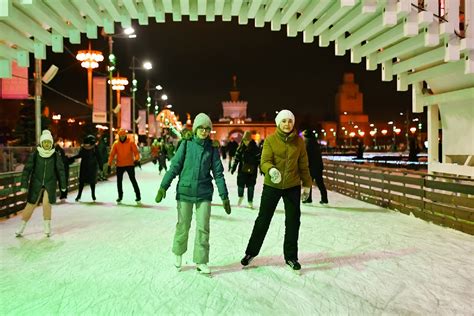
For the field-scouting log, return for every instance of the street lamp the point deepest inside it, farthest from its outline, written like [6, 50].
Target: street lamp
[146, 66]
[118, 84]
[127, 33]
[89, 59]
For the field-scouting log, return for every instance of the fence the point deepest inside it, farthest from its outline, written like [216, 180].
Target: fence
[13, 200]
[443, 200]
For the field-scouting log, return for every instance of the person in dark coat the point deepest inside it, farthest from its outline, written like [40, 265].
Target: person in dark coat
[247, 159]
[231, 150]
[162, 155]
[66, 162]
[315, 166]
[194, 161]
[90, 162]
[43, 170]
[103, 155]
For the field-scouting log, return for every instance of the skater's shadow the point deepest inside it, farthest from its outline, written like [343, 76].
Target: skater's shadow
[322, 261]
[318, 261]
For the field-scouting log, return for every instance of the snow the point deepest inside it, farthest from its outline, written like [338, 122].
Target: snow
[357, 258]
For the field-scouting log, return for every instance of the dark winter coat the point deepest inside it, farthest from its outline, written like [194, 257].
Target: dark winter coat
[287, 153]
[42, 172]
[193, 162]
[247, 156]
[315, 159]
[232, 148]
[102, 152]
[65, 159]
[90, 162]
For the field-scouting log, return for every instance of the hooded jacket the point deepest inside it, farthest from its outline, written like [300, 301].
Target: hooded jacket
[194, 161]
[126, 152]
[287, 153]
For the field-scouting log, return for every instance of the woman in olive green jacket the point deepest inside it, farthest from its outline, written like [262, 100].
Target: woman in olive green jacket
[285, 164]
[43, 170]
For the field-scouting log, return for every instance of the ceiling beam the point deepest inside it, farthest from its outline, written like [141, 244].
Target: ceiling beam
[42, 12]
[420, 60]
[131, 8]
[14, 36]
[253, 8]
[68, 11]
[334, 14]
[235, 8]
[311, 12]
[290, 10]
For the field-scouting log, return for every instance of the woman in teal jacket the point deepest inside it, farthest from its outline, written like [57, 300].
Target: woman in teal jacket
[43, 170]
[193, 162]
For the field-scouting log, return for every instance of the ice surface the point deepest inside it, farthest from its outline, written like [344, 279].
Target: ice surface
[357, 259]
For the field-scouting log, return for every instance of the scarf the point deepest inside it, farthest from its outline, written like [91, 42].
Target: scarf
[45, 153]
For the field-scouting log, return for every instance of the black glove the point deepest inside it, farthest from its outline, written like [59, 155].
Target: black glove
[137, 163]
[109, 169]
[160, 195]
[226, 204]
[63, 195]
[232, 171]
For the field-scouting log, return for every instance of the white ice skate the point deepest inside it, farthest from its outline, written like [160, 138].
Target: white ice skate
[203, 269]
[47, 228]
[239, 202]
[19, 232]
[178, 261]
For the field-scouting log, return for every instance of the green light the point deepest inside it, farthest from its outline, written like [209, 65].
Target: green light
[134, 82]
[112, 58]
[148, 99]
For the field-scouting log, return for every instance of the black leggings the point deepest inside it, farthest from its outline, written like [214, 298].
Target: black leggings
[81, 187]
[131, 174]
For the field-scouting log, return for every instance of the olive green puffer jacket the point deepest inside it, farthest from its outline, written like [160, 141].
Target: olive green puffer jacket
[287, 153]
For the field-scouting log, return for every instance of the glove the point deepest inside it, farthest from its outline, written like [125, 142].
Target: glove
[63, 195]
[137, 163]
[232, 171]
[305, 194]
[275, 175]
[23, 190]
[226, 204]
[109, 169]
[160, 195]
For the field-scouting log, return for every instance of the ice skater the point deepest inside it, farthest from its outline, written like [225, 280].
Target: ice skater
[194, 161]
[128, 157]
[285, 165]
[90, 163]
[315, 161]
[43, 170]
[247, 159]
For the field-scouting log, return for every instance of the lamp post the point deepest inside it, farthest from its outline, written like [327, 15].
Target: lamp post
[148, 104]
[127, 33]
[90, 60]
[146, 66]
[118, 84]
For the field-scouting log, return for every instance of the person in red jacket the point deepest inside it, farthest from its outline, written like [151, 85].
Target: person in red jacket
[128, 157]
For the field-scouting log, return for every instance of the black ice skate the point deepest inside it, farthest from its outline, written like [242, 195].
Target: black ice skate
[294, 265]
[246, 260]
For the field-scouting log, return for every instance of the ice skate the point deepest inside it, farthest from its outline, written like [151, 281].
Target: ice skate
[251, 205]
[138, 200]
[47, 228]
[294, 265]
[19, 232]
[246, 260]
[203, 268]
[239, 202]
[178, 262]
[119, 200]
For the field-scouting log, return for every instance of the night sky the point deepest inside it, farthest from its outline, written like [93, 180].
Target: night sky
[195, 61]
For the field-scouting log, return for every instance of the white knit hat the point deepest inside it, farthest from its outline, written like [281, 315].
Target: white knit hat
[201, 120]
[46, 135]
[284, 114]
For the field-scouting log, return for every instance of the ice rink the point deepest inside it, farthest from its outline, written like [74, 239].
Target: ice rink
[108, 259]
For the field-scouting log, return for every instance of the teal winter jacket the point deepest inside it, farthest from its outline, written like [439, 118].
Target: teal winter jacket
[193, 162]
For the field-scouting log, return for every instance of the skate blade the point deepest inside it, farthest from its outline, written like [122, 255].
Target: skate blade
[297, 272]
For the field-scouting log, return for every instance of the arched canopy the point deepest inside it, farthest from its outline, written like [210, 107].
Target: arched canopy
[410, 43]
